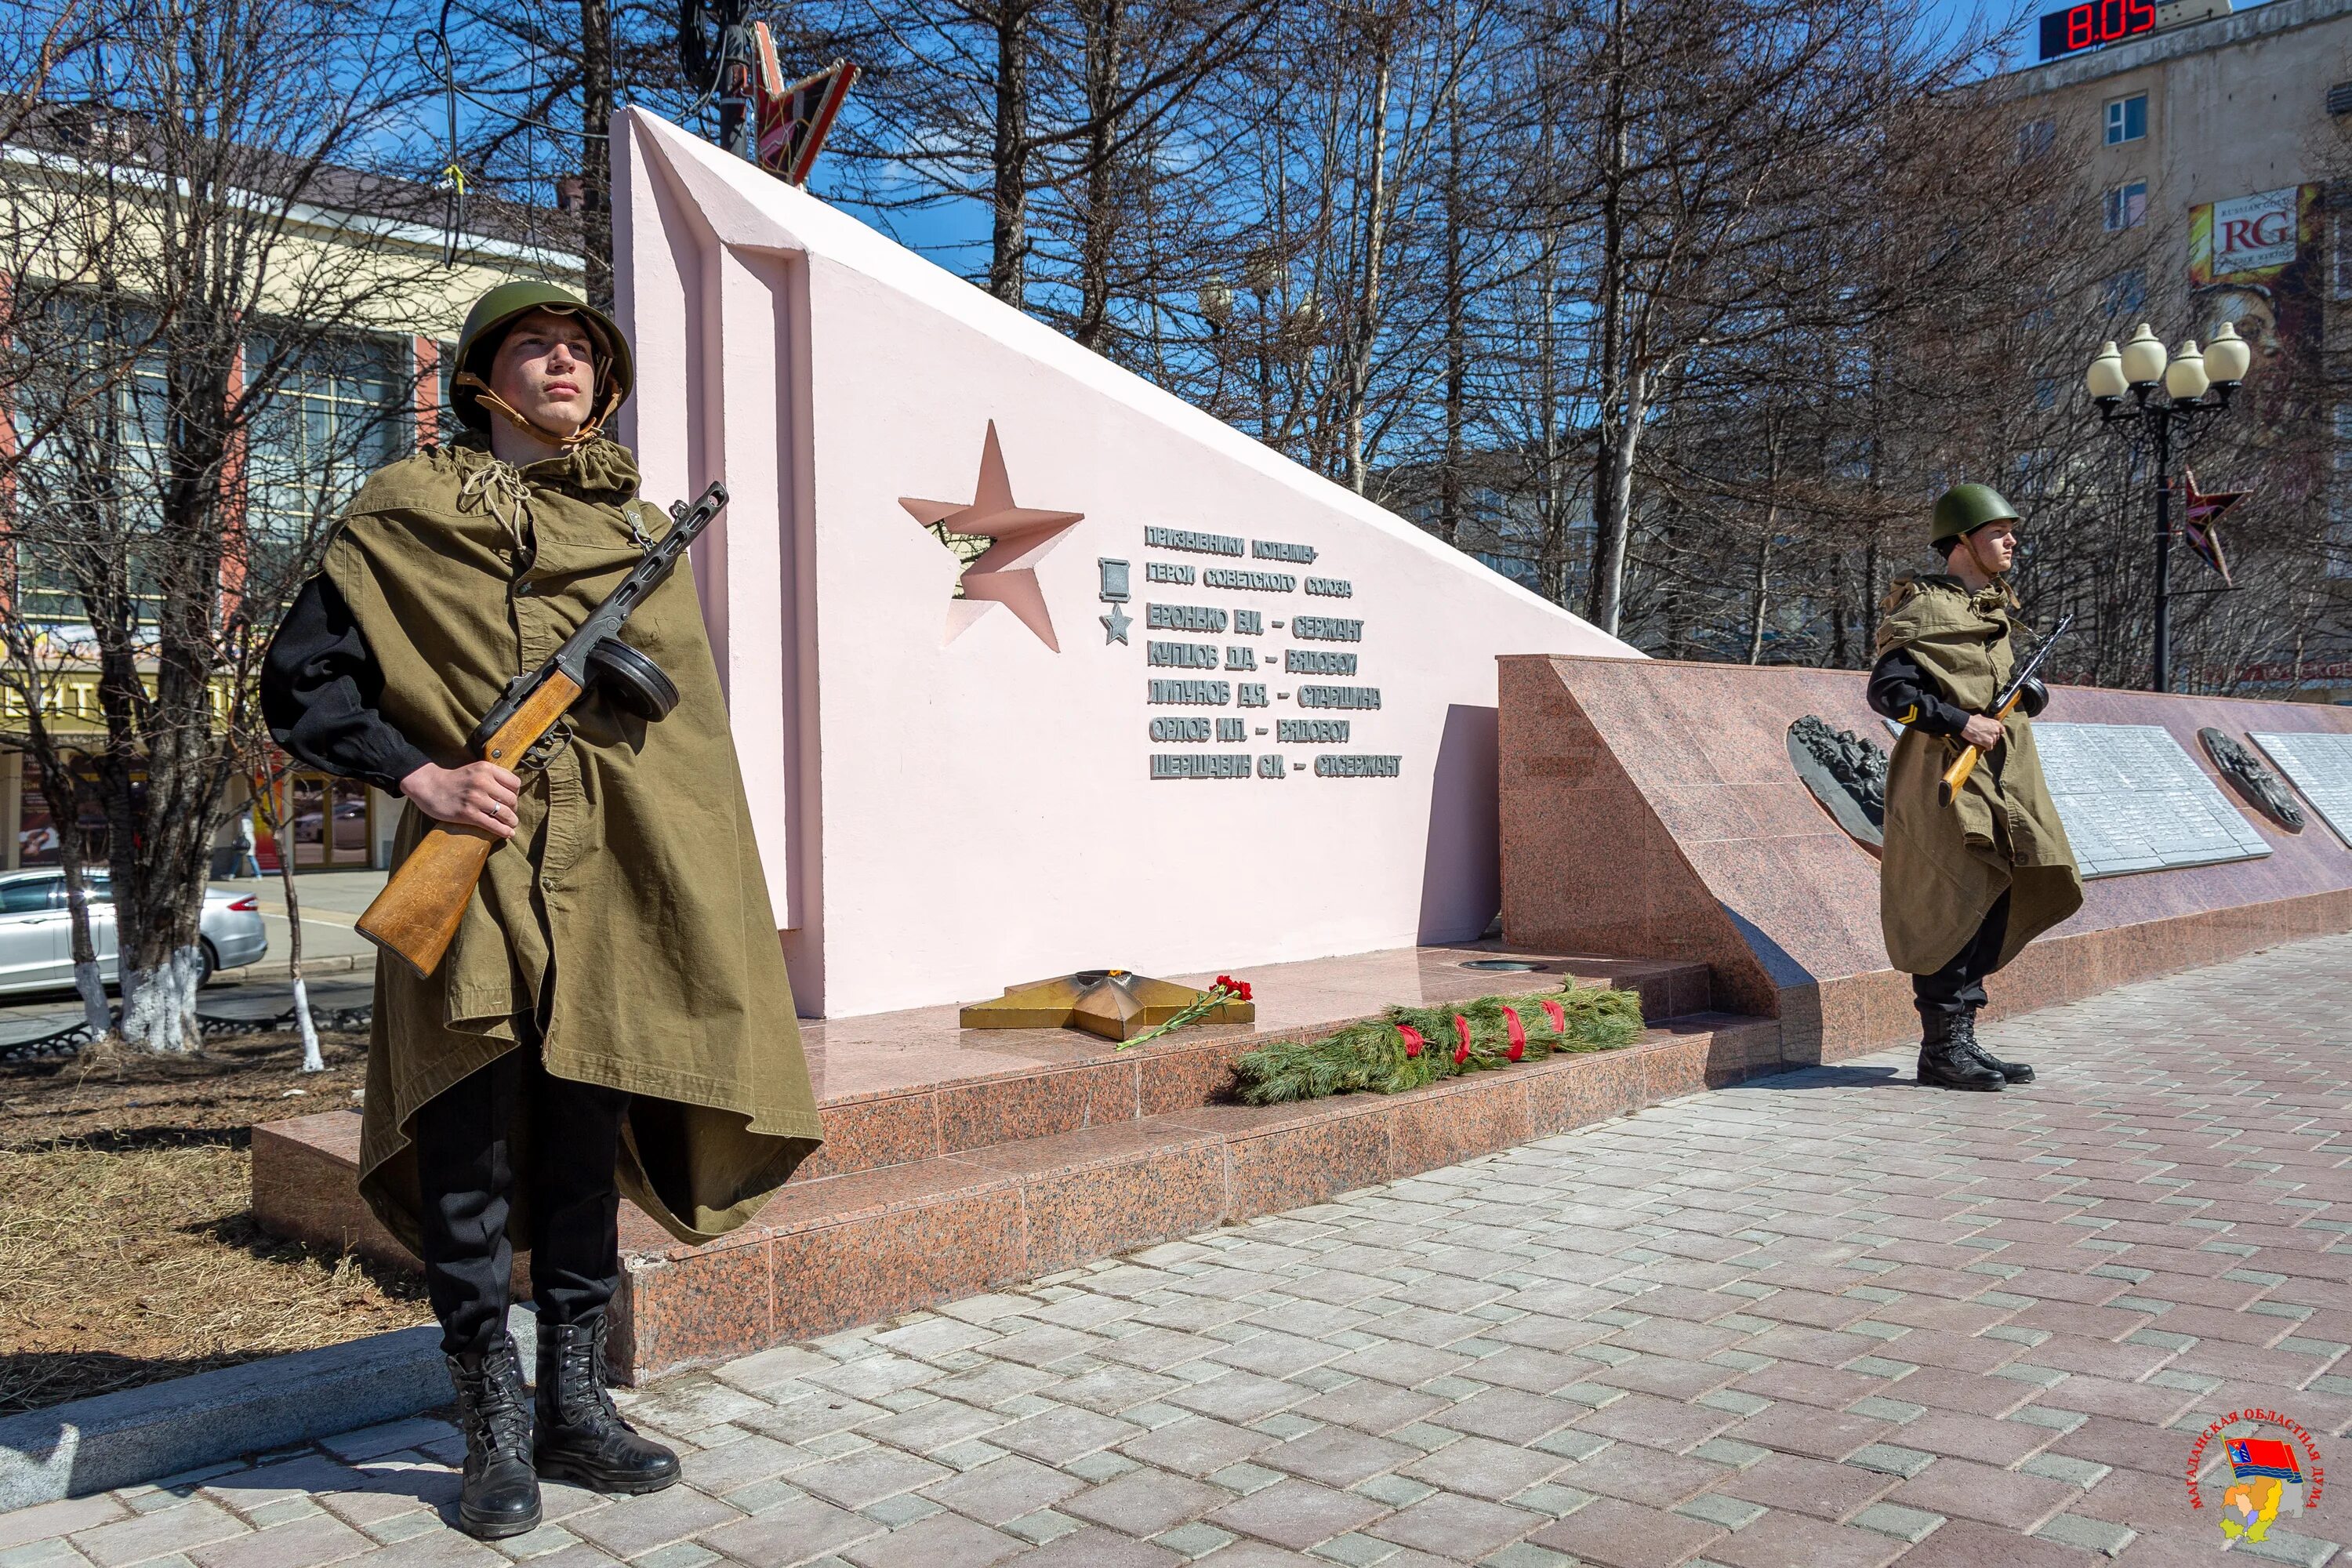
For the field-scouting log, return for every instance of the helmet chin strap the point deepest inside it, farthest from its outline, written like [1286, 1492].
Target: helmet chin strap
[507, 411]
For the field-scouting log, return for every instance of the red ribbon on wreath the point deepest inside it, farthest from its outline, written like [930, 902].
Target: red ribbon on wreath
[1412, 1040]
[1462, 1034]
[1518, 1035]
[1557, 1015]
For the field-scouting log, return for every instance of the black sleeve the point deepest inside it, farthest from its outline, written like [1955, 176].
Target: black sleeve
[1901, 691]
[320, 687]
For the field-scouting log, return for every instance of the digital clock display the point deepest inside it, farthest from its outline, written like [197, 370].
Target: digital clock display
[2093, 23]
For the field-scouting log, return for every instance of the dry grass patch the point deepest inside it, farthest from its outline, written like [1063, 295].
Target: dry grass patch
[127, 1251]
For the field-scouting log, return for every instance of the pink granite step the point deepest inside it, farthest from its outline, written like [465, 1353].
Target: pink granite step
[834, 1251]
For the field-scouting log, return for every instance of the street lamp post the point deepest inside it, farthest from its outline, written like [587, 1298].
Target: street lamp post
[2135, 371]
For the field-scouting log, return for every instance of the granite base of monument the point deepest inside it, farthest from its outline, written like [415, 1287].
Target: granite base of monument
[1651, 807]
[960, 1160]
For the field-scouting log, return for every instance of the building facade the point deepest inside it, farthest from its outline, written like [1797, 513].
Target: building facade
[2217, 144]
[377, 395]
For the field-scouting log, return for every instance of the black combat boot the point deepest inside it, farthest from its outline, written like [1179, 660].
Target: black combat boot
[499, 1494]
[581, 1437]
[2011, 1072]
[1947, 1059]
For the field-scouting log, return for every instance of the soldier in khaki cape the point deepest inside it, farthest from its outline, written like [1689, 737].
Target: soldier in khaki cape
[613, 1015]
[1963, 888]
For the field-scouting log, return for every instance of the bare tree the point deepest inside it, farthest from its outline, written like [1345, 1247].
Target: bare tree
[203, 388]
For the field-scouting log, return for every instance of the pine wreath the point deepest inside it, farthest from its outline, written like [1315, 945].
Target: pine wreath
[1406, 1047]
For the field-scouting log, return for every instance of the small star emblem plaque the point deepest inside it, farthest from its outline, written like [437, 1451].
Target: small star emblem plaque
[1115, 625]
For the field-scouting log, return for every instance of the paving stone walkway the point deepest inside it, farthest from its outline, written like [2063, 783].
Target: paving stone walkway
[1823, 1320]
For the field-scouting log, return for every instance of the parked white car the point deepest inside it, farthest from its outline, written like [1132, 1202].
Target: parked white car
[37, 931]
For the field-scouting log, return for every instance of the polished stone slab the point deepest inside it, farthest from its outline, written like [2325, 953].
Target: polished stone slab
[2133, 800]
[2320, 765]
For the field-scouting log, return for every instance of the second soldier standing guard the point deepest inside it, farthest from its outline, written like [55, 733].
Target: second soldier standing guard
[1964, 887]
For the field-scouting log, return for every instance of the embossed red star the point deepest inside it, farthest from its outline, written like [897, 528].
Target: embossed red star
[2199, 511]
[1007, 572]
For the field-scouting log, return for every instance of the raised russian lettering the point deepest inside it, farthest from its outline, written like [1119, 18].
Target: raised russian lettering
[1356, 765]
[1322, 628]
[1316, 661]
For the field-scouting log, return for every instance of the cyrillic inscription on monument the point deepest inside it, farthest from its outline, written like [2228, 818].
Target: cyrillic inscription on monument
[2133, 800]
[2320, 765]
[1248, 658]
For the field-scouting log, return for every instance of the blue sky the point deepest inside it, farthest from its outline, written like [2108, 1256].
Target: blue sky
[956, 235]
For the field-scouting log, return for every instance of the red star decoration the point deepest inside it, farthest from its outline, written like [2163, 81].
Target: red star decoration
[2199, 511]
[1006, 573]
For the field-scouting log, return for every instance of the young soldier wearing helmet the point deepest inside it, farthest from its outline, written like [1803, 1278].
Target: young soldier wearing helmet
[1963, 888]
[613, 1017]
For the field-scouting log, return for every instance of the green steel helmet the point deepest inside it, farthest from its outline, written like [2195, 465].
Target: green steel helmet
[1964, 508]
[485, 328]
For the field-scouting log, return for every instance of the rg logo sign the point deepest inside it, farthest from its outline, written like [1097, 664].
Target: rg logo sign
[2274, 1470]
[2252, 233]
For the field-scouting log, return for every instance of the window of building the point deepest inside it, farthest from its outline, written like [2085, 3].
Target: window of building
[2127, 119]
[343, 410]
[2127, 292]
[2127, 204]
[2339, 499]
[446, 359]
[2034, 138]
[91, 412]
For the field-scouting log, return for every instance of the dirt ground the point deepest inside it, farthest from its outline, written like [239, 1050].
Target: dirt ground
[127, 1251]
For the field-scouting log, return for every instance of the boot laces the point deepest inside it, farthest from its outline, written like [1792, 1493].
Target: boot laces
[492, 1397]
[580, 1376]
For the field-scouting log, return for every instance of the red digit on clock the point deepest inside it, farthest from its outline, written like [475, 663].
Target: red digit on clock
[2078, 24]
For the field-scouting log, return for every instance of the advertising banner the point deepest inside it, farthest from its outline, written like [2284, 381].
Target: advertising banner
[2255, 262]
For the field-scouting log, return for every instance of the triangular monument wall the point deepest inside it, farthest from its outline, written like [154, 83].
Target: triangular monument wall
[956, 793]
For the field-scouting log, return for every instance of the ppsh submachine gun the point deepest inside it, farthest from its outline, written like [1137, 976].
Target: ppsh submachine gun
[416, 917]
[1966, 762]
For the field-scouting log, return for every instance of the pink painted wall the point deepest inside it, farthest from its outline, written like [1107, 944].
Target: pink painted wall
[946, 803]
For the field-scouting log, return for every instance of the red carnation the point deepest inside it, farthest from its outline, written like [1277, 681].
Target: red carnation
[1225, 983]
[1518, 1035]
[1557, 1015]
[1412, 1040]
[1244, 987]
[1462, 1034]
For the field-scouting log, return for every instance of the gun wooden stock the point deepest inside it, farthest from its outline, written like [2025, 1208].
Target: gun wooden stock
[416, 917]
[1966, 762]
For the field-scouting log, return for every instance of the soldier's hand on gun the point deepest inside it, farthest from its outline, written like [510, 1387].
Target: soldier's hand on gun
[1982, 732]
[479, 794]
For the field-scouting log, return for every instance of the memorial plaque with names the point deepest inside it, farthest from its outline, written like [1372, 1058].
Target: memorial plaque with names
[2133, 800]
[2320, 765]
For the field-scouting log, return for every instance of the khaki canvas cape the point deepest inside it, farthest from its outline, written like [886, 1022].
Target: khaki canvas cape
[629, 913]
[1944, 865]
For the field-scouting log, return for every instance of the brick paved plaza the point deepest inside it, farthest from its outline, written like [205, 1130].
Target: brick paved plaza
[1819, 1320]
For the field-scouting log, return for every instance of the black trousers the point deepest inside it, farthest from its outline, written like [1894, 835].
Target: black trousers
[465, 1139]
[1958, 987]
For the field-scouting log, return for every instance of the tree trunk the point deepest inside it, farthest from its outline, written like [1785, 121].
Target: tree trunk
[1457, 359]
[1759, 589]
[97, 1013]
[1009, 158]
[1367, 309]
[313, 1061]
[1099, 224]
[1612, 479]
[1617, 506]
[596, 150]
